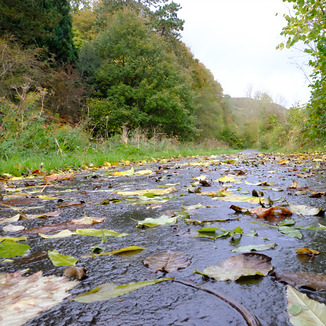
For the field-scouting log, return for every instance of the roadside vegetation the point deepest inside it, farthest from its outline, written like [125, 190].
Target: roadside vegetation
[106, 81]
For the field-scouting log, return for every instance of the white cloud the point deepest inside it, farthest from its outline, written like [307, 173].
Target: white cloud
[236, 40]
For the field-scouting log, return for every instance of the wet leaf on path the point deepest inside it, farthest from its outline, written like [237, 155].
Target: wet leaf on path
[99, 233]
[61, 234]
[88, 220]
[58, 177]
[110, 290]
[277, 211]
[76, 272]
[127, 172]
[210, 232]
[304, 210]
[255, 247]
[10, 248]
[228, 179]
[304, 311]
[155, 192]
[307, 251]
[61, 260]
[13, 238]
[25, 297]
[290, 231]
[168, 261]
[13, 228]
[115, 252]
[310, 280]
[162, 220]
[247, 264]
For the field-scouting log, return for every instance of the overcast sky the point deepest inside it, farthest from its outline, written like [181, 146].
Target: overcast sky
[236, 40]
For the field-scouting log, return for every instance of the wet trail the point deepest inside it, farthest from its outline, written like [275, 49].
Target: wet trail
[99, 193]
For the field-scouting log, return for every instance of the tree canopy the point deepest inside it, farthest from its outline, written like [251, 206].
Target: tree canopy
[307, 26]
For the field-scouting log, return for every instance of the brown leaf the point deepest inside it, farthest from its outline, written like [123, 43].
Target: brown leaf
[88, 220]
[58, 177]
[76, 272]
[247, 264]
[311, 280]
[168, 261]
[19, 201]
[294, 185]
[271, 212]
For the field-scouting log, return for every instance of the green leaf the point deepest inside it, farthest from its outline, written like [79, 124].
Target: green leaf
[61, 234]
[99, 233]
[11, 248]
[162, 220]
[304, 311]
[61, 260]
[291, 232]
[110, 290]
[255, 247]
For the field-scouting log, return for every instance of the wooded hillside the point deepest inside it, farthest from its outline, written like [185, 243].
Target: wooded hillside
[120, 65]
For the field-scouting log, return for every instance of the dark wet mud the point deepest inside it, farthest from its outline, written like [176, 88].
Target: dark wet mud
[171, 303]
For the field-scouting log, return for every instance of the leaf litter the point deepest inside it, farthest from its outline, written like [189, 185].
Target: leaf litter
[159, 195]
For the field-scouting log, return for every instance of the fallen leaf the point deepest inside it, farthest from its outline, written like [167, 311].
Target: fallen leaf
[162, 220]
[307, 251]
[13, 238]
[13, 228]
[10, 248]
[228, 179]
[116, 252]
[310, 280]
[143, 172]
[255, 247]
[276, 211]
[247, 264]
[156, 192]
[168, 261]
[304, 210]
[290, 231]
[26, 297]
[110, 290]
[127, 172]
[87, 220]
[99, 233]
[61, 234]
[58, 177]
[76, 272]
[294, 185]
[304, 311]
[61, 260]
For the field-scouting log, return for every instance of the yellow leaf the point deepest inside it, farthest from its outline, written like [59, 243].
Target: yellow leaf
[157, 192]
[307, 251]
[227, 179]
[127, 172]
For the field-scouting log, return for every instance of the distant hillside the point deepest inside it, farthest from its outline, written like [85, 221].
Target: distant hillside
[246, 109]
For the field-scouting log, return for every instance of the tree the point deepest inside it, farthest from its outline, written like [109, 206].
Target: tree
[135, 81]
[307, 26]
[39, 23]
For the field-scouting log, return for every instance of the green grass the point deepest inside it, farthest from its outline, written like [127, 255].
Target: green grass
[22, 164]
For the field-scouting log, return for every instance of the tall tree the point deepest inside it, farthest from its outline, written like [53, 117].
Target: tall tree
[39, 23]
[135, 81]
[307, 26]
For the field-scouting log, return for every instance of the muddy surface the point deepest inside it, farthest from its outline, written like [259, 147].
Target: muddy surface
[171, 303]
